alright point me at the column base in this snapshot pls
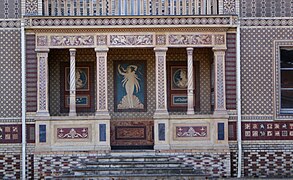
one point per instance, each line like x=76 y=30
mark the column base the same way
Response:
x=190 y=111
x=72 y=114
x=103 y=114
x=43 y=113
x=161 y=146
x=161 y=113
x=220 y=112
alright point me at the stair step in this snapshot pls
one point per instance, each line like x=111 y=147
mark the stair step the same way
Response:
x=146 y=170
x=135 y=177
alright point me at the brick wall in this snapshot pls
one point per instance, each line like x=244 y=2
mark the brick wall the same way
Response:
x=230 y=70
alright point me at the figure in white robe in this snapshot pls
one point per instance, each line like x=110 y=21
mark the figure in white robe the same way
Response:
x=129 y=82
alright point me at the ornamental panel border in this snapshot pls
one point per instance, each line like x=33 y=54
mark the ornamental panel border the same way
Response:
x=124 y=40
x=277 y=90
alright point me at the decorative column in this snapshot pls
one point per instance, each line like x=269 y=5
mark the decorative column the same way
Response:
x=220 y=90
x=72 y=103
x=102 y=95
x=190 y=87
x=43 y=83
x=161 y=78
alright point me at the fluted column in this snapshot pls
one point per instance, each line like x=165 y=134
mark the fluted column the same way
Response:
x=161 y=78
x=72 y=103
x=43 y=83
x=102 y=85
x=220 y=89
x=190 y=87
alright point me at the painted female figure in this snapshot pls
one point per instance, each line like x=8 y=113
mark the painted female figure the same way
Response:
x=129 y=82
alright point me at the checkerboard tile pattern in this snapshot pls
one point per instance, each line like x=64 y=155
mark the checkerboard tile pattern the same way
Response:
x=10 y=162
x=54 y=165
x=257 y=68
x=10 y=89
x=214 y=164
x=263 y=160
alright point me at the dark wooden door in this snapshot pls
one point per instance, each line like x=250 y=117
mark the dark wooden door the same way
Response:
x=132 y=134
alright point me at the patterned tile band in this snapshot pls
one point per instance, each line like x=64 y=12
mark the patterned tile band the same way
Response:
x=263 y=130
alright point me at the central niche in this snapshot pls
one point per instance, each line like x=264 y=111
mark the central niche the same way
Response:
x=130 y=86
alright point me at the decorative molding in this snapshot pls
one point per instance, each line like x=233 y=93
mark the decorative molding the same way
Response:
x=79 y=40
x=131 y=22
x=10 y=23
x=190 y=39
x=134 y=40
x=280 y=21
x=72 y=133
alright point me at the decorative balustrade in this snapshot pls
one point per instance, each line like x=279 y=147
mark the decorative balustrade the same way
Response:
x=129 y=7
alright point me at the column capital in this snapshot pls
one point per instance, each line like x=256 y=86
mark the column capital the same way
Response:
x=72 y=52
x=102 y=49
x=219 y=49
x=42 y=50
x=160 y=49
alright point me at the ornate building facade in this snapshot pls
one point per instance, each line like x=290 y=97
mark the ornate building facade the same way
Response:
x=160 y=76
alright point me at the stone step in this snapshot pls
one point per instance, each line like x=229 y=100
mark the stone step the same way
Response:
x=126 y=170
x=140 y=158
x=135 y=177
x=140 y=164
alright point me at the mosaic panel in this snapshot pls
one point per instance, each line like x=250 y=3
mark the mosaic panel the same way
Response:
x=10 y=73
x=204 y=56
x=56 y=57
x=11 y=133
x=72 y=133
x=133 y=55
x=257 y=70
x=266 y=8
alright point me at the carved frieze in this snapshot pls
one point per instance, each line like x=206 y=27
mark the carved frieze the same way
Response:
x=120 y=40
x=79 y=40
x=190 y=39
x=72 y=133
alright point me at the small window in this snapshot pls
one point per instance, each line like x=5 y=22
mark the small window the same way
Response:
x=286 y=80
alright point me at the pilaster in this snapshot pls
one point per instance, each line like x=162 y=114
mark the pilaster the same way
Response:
x=102 y=85
x=161 y=81
x=220 y=89
x=43 y=83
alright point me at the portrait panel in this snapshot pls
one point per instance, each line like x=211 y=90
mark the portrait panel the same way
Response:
x=81 y=78
x=179 y=79
x=130 y=85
